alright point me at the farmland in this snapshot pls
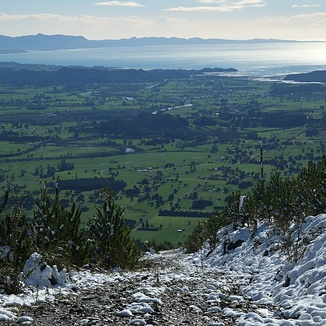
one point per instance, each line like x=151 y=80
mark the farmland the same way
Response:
x=172 y=149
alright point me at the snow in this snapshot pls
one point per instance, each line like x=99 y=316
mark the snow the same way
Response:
x=299 y=290
x=256 y=271
x=39 y=276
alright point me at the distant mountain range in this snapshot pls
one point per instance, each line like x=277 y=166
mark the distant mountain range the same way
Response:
x=43 y=42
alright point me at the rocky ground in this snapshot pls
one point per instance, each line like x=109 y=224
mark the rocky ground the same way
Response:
x=170 y=291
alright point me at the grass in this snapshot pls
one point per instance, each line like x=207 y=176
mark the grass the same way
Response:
x=167 y=168
x=174 y=230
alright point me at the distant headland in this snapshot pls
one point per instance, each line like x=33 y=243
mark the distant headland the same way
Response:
x=43 y=42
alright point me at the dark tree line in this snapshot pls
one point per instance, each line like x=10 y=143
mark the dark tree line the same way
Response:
x=78 y=76
x=89 y=184
x=143 y=125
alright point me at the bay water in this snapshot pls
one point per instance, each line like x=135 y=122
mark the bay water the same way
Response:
x=257 y=59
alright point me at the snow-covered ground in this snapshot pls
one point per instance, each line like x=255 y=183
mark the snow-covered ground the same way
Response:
x=253 y=284
x=299 y=290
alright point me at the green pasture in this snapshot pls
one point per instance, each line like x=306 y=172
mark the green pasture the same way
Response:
x=174 y=229
x=11 y=148
x=50 y=124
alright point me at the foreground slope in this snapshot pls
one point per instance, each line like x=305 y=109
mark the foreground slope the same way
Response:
x=253 y=284
x=297 y=289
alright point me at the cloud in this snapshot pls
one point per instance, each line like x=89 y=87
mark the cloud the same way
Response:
x=211 y=2
x=301 y=27
x=198 y=9
x=315 y=19
x=92 y=27
x=305 y=6
x=119 y=4
x=221 y=5
x=164 y=20
x=301 y=18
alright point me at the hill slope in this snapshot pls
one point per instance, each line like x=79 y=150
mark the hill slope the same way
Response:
x=314 y=76
x=252 y=284
x=297 y=288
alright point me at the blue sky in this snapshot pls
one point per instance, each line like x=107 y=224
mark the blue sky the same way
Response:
x=229 y=19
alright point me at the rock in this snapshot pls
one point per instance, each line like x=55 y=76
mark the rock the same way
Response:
x=183 y=296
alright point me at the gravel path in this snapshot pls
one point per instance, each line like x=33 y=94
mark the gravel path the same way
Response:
x=172 y=291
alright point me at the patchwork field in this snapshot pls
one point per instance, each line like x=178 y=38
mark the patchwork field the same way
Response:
x=172 y=151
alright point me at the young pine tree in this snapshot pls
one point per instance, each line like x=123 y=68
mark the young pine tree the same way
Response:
x=113 y=245
x=14 y=248
x=56 y=231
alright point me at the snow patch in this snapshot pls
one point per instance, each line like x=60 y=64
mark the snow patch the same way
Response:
x=38 y=274
x=279 y=292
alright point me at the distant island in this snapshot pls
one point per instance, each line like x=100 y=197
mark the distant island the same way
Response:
x=41 y=42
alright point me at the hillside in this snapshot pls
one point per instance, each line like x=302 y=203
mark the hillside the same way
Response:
x=252 y=284
x=310 y=77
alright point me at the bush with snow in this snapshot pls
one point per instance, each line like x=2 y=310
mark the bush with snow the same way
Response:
x=55 y=232
x=39 y=274
x=281 y=203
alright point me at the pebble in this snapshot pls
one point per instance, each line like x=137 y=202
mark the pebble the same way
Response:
x=168 y=294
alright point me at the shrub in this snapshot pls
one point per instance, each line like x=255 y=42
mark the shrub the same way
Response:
x=111 y=237
x=56 y=231
x=14 y=248
x=283 y=203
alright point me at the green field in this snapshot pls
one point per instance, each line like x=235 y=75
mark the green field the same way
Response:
x=181 y=146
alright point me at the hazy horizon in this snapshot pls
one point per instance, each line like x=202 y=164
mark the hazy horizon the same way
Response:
x=222 y=19
x=169 y=37
x=254 y=58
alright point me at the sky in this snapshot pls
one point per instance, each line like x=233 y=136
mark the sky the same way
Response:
x=225 y=19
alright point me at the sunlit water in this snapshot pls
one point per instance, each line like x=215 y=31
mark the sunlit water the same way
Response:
x=255 y=59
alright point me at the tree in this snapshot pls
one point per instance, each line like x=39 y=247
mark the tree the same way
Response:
x=196 y=239
x=65 y=166
x=311 y=189
x=214 y=149
x=13 y=235
x=14 y=247
x=282 y=203
x=111 y=237
x=4 y=201
x=56 y=231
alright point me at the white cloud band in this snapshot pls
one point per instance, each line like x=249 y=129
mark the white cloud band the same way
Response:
x=119 y=4
x=220 y=6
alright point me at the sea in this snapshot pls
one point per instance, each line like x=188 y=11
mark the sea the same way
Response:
x=255 y=59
